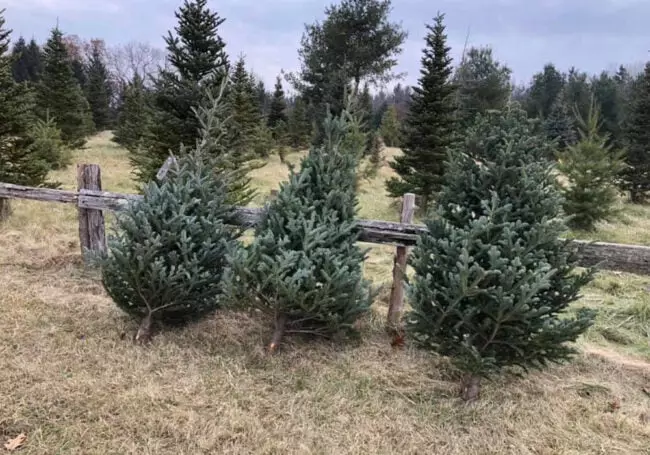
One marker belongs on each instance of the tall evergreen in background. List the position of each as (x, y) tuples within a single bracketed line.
[(20, 162), (544, 91), (429, 127), (245, 111), (98, 89), (299, 127), (197, 63), (390, 129), (637, 175), (559, 125), (26, 61), (493, 279), (134, 118), (59, 95)]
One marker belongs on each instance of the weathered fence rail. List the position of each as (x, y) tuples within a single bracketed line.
[(610, 256)]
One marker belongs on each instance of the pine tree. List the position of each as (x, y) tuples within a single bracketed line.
[(430, 124), (560, 124), (59, 94), (591, 168), (169, 251), (492, 277), (134, 119), (245, 112), (98, 89), (374, 150), (390, 128), (19, 163), (278, 109), (637, 134), (379, 113), (26, 61), (304, 266), (48, 144), (299, 127), (544, 91), (198, 63)]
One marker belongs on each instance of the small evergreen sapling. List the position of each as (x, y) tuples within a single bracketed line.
[(304, 266), (493, 280)]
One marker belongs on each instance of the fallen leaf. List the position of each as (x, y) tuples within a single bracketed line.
[(16, 442), (398, 341)]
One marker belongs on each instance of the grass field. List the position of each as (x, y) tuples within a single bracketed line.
[(73, 382)]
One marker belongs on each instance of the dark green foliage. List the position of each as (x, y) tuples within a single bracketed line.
[(134, 118), (391, 131), (544, 91), (168, 252), (299, 128), (591, 168), (492, 278), (559, 125), (98, 89), (278, 109), (262, 97), (304, 266), (48, 144), (26, 64), (59, 94), (355, 43), (374, 149), (20, 163), (637, 133), (483, 84), (379, 113), (245, 112), (429, 128), (577, 92), (198, 64), (609, 95)]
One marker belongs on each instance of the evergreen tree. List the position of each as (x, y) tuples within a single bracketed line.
[(591, 169), (245, 112), (578, 92), (26, 61), (299, 128), (544, 91), (197, 65), (483, 84), (560, 124), (609, 98), (492, 277), (262, 96), (637, 135), (429, 127), (59, 94), (169, 251), (134, 119), (48, 144), (390, 128), (278, 109), (98, 89), (374, 150), (20, 163), (379, 113), (304, 266)]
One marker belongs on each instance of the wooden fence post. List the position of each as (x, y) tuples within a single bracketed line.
[(399, 267), (92, 232)]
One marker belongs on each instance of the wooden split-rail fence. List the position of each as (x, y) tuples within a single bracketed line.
[(91, 202)]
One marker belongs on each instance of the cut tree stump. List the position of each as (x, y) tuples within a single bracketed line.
[(92, 231)]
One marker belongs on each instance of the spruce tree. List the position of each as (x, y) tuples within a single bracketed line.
[(637, 134), (278, 109), (59, 94), (493, 279), (169, 250), (20, 163), (560, 124), (591, 169), (304, 266), (429, 127), (299, 127), (98, 89), (134, 118), (544, 91), (245, 112), (390, 128), (197, 64), (26, 61)]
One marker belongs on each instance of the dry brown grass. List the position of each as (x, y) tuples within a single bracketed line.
[(71, 380)]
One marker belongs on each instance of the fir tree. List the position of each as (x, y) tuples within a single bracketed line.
[(278, 109), (560, 124), (168, 253), (390, 128), (197, 64), (59, 94), (245, 112), (26, 61), (299, 128), (379, 113), (637, 134), (304, 266), (134, 118), (20, 163), (374, 150), (98, 89), (591, 169), (492, 277), (48, 144), (430, 123), (544, 91)]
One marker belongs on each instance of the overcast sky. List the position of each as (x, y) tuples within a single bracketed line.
[(590, 34)]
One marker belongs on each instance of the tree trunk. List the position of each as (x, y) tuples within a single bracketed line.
[(144, 331), (280, 325), (470, 388), (5, 209)]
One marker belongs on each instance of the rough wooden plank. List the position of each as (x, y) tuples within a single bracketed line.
[(399, 267), (615, 256), (92, 231), (9, 191)]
